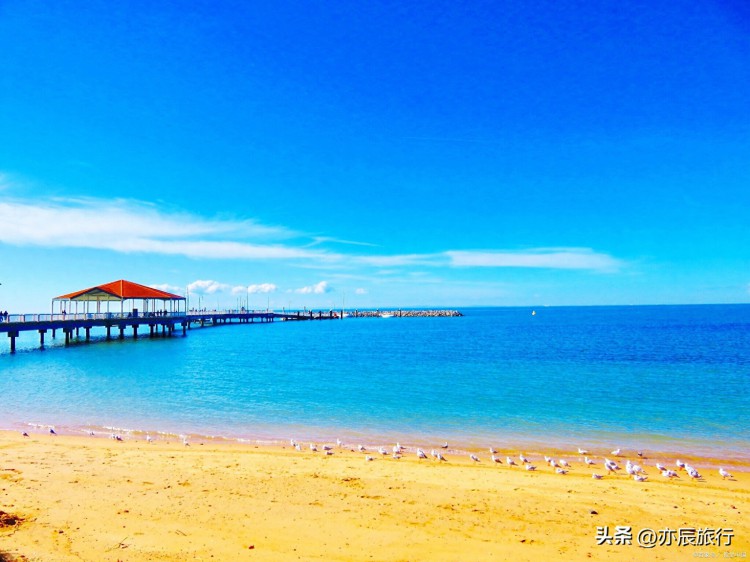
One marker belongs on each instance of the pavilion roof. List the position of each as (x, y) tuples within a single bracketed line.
[(119, 291)]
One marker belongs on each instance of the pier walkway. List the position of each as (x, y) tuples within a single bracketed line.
[(164, 323)]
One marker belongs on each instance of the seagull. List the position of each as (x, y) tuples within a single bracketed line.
[(552, 463), (639, 478), (640, 453), (588, 461), (530, 467), (596, 476), (298, 446), (660, 467), (694, 474), (433, 453), (616, 453), (185, 442), (383, 451), (440, 456), (563, 462), (496, 459), (421, 454), (492, 450), (361, 448), (669, 474), (396, 456), (510, 461), (329, 453), (369, 458), (91, 433), (25, 434), (52, 431), (547, 459), (680, 464), (523, 459), (313, 448), (118, 438), (292, 442), (724, 473), (582, 451), (396, 450), (327, 447), (474, 457), (339, 442), (561, 471), (444, 445), (400, 448)]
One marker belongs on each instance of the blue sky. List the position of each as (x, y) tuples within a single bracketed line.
[(379, 153)]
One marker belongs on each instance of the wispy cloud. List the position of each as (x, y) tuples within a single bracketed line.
[(134, 226), (551, 258), (360, 291), (128, 226)]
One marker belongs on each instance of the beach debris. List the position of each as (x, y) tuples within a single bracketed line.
[(473, 457), (725, 474), (9, 520), (616, 453), (593, 512)]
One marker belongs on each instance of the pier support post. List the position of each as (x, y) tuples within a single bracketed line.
[(135, 331), (108, 332), (122, 332), (53, 332), (151, 330), (88, 333), (184, 330), (68, 334), (77, 332), (12, 336), (41, 338)]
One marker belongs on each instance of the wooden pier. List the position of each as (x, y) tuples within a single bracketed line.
[(158, 324)]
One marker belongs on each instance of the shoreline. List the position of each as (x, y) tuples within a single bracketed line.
[(738, 459), (76, 497)]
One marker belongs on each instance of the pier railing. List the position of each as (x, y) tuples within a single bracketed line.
[(35, 318)]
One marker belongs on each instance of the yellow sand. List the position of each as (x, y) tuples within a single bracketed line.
[(98, 499)]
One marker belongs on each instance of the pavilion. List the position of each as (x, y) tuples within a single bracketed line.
[(152, 301)]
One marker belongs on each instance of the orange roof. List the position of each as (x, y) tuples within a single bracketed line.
[(118, 291)]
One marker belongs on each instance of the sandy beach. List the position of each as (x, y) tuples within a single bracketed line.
[(84, 498)]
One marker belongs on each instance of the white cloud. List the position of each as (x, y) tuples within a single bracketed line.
[(317, 289), (207, 287), (169, 288), (360, 291), (254, 289), (134, 226), (552, 258)]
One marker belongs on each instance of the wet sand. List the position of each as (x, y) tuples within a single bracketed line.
[(83, 498)]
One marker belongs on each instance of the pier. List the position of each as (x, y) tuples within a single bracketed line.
[(118, 325)]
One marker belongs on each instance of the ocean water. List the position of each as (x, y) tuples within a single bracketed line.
[(667, 378)]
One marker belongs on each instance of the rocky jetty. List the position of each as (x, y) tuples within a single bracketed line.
[(403, 313)]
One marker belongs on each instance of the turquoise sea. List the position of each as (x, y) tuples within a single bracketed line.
[(668, 378)]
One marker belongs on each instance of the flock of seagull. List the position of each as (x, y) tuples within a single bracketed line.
[(560, 466)]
